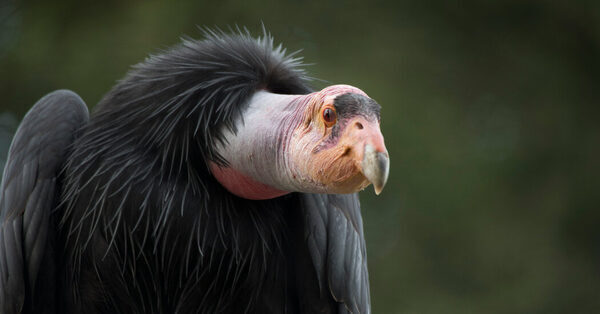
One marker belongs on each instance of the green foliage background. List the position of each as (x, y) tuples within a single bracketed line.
[(490, 114)]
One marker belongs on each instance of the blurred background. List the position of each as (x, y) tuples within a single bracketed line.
[(490, 113)]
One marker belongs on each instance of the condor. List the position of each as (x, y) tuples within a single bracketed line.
[(211, 179)]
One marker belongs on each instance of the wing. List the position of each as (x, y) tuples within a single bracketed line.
[(27, 197), (336, 245)]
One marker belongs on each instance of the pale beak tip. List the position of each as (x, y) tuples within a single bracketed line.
[(376, 167)]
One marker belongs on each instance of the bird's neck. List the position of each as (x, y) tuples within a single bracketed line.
[(257, 153), (242, 185)]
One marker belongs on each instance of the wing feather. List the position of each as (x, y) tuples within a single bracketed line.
[(336, 244), (27, 198)]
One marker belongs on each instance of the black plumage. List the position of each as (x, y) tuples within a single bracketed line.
[(130, 219)]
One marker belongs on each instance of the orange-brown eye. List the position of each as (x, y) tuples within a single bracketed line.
[(329, 116)]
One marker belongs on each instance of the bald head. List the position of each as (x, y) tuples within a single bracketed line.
[(317, 143)]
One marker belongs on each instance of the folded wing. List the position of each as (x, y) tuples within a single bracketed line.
[(27, 199), (336, 245)]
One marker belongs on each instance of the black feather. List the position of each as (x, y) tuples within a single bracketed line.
[(148, 142), (143, 227)]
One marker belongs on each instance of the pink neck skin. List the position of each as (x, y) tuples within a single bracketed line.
[(243, 186), (258, 153)]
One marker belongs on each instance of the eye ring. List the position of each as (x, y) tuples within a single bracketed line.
[(329, 116)]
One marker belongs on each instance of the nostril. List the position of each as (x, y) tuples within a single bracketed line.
[(359, 125)]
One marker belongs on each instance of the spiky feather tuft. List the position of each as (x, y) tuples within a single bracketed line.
[(148, 142)]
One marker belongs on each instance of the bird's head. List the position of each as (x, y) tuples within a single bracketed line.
[(325, 142)]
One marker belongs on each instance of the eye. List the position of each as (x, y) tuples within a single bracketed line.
[(329, 116)]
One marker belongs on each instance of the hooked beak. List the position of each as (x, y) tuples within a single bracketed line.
[(376, 167), (374, 162)]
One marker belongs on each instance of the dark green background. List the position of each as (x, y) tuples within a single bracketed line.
[(490, 114)]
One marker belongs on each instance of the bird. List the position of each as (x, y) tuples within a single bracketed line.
[(211, 179)]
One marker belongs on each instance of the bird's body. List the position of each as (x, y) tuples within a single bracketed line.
[(143, 215)]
